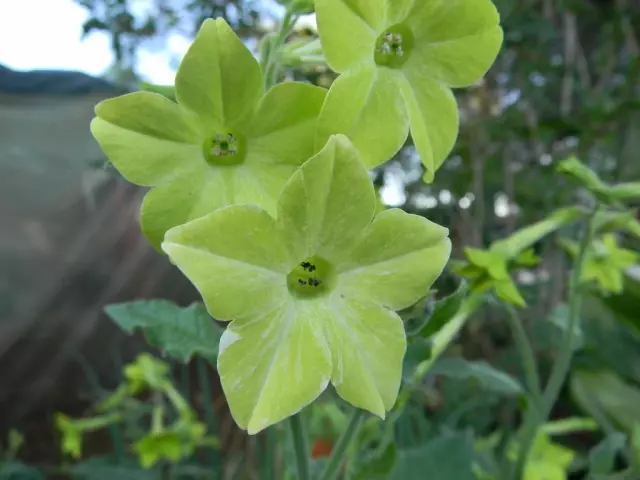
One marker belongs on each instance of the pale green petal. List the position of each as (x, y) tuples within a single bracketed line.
[(397, 261), (433, 113), (366, 106), (328, 203), (457, 41), (274, 365), (283, 128), (348, 40), (368, 344), (192, 195), (219, 79), (236, 260), (147, 137)]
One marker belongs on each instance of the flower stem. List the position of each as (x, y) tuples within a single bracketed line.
[(300, 446), (271, 62), (340, 450), (535, 417), (527, 356)]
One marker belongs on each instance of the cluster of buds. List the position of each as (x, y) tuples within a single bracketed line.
[(224, 146)]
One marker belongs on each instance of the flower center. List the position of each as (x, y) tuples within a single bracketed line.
[(312, 278), (394, 46), (227, 148)]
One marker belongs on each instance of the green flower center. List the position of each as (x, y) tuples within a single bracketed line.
[(394, 46), (225, 149), (312, 278)]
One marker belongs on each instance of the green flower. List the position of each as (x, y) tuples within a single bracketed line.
[(487, 270), (313, 294), (173, 443), (223, 142), (605, 262), (398, 60)]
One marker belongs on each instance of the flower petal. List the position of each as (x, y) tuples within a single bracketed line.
[(397, 261), (147, 137), (328, 202), (365, 105), (283, 128), (368, 344), (348, 38), (236, 260), (219, 78), (456, 41), (275, 365), (433, 114)]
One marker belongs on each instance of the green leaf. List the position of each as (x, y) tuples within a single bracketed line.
[(179, 332), (517, 243), (583, 174), (377, 465), (602, 457), (106, 468), (363, 104), (605, 392), (625, 191), (448, 457), (570, 425), (219, 79), (445, 310), (167, 91), (487, 377), (19, 471)]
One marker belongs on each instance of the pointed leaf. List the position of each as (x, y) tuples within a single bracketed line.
[(179, 332)]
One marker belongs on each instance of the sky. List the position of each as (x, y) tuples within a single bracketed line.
[(52, 40)]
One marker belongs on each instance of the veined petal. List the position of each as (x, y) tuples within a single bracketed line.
[(274, 365), (283, 127), (433, 114), (235, 258), (368, 344), (219, 79), (366, 106), (348, 39), (147, 137), (456, 41), (397, 260), (193, 194), (327, 203)]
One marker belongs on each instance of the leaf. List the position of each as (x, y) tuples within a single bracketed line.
[(625, 191), (19, 471), (377, 466), (602, 457), (449, 457), (179, 332), (106, 468), (487, 377), (445, 309), (583, 174)]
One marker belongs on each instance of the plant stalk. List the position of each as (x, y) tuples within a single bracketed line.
[(536, 417), (271, 62), (300, 446), (527, 356), (340, 450)]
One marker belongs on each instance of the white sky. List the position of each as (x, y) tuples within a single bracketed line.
[(46, 34)]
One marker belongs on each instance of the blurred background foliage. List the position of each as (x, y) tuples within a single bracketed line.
[(567, 82)]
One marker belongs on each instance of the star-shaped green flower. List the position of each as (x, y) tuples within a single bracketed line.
[(605, 262), (398, 60), (487, 269), (223, 142), (313, 294)]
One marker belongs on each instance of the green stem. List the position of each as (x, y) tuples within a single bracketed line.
[(300, 446), (536, 417), (527, 356), (271, 62), (333, 467)]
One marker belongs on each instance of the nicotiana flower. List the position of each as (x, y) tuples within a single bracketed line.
[(605, 262), (223, 142), (398, 60), (312, 295)]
